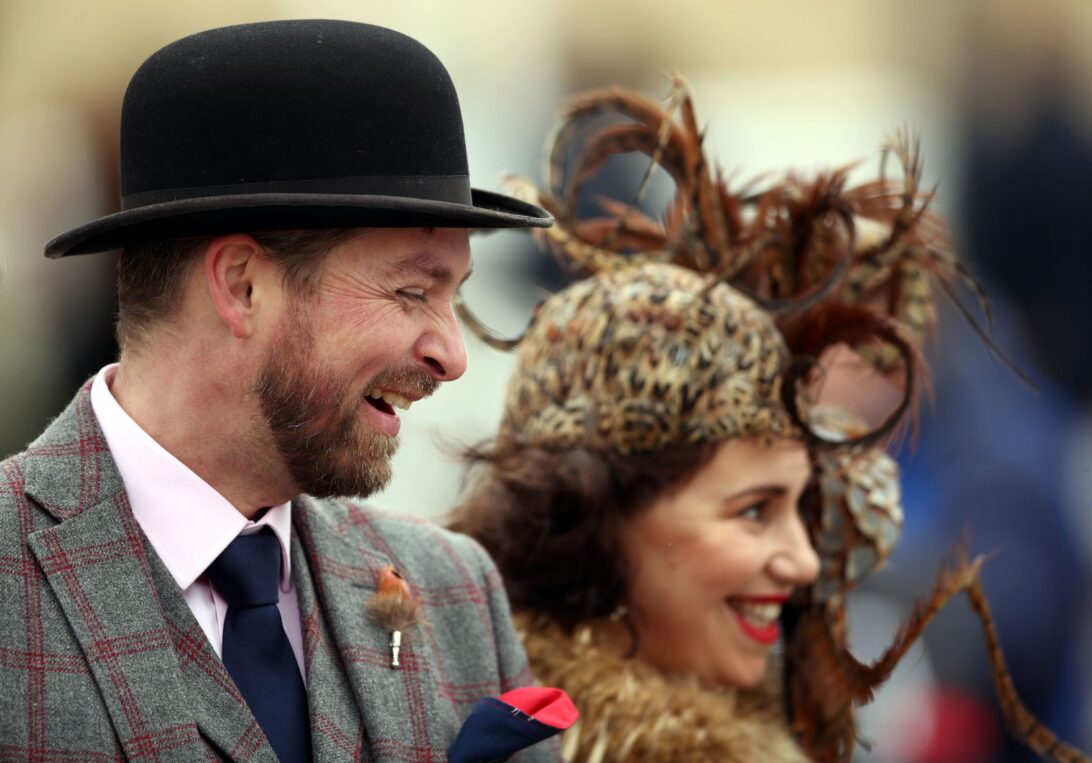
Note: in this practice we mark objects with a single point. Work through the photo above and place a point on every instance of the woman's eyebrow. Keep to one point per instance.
(763, 490)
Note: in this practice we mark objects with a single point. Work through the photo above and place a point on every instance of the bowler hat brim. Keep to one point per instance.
(214, 215)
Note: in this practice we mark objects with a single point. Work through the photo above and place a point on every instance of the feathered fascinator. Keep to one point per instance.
(709, 323)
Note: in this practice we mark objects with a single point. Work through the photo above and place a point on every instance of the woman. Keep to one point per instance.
(664, 499)
(611, 524)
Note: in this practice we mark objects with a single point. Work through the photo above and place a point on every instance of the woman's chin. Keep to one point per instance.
(744, 673)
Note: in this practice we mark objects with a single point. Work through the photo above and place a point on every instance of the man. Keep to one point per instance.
(178, 582)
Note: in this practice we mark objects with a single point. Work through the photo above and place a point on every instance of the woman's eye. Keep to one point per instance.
(415, 293)
(754, 512)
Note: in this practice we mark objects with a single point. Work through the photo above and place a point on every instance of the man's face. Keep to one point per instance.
(379, 334)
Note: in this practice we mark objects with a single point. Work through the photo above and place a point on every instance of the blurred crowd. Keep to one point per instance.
(1001, 91)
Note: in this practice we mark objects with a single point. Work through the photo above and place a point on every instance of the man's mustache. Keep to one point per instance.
(404, 379)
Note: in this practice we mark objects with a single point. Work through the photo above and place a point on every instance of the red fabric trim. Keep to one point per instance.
(545, 704)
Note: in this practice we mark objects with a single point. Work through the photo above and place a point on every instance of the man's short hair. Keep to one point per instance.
(150, 274)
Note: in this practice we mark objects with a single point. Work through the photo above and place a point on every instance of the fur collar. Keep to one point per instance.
(632, 712)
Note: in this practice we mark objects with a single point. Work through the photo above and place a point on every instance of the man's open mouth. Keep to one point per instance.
(387, 401)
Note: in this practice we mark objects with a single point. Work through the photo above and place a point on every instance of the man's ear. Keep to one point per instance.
(232, 264)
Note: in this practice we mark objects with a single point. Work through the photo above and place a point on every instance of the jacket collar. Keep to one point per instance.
(68, 469)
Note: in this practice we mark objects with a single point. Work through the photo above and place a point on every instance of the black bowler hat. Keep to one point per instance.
(292, 124)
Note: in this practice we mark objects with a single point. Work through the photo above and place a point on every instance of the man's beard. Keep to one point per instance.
(315, 419)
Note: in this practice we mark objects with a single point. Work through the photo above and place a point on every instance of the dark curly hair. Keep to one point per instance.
(552, 519)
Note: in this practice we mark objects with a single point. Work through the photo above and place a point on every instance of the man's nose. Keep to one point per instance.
(442, 350)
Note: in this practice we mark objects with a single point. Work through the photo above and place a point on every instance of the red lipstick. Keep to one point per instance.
(765, 635)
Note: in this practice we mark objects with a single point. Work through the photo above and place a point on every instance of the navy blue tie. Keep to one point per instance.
(256, 650)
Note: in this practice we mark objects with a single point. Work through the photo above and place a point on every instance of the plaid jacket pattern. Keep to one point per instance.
(101, 659)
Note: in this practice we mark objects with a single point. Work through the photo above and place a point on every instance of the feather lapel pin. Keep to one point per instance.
(394, 609)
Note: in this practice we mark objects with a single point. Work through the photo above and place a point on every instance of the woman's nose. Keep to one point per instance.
(795, 561)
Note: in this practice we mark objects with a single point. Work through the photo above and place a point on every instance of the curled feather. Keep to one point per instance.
(394, 607)
(478, 329)
(810, 333)
(827, 683)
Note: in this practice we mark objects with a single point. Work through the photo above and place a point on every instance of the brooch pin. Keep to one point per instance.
(395, 609)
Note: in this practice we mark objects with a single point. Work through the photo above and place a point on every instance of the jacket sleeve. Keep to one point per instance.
(512, 665)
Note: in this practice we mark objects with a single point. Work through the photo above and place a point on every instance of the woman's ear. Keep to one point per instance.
(231, 265)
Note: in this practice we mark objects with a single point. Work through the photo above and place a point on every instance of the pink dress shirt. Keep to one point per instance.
(187, 522)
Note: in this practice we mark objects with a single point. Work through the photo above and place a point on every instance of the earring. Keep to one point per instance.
(621, 614)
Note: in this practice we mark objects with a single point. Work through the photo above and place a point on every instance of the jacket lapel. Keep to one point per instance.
(161, 683)
(218, 709)
(401, 713)
(337, 727)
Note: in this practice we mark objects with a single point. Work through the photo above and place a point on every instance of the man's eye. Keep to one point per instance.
(415, 293)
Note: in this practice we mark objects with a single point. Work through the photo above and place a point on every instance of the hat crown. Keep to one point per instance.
(645, 358)
(282, 125)
(289, 101)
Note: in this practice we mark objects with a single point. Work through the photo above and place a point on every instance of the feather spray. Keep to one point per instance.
(394, 608)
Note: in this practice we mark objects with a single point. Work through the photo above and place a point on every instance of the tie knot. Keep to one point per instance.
(247, 572)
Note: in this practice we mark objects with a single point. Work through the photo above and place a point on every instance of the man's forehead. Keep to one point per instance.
(441, 254)
(436, 266)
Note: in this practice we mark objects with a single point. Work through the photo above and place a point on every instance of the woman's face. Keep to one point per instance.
(714, 559)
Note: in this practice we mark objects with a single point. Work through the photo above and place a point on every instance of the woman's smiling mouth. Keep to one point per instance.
(758, 616)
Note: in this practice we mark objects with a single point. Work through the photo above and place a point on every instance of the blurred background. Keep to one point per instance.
(1001, 91)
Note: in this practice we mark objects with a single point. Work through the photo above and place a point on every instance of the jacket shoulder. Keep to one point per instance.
(424, 551)
(11, 475)
(19, 514)
(12, 497)
(59, 685)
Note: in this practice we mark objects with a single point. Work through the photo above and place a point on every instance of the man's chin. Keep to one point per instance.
(338, 486)
(360, 477)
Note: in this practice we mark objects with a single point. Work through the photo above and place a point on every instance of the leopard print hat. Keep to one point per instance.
(645, 358)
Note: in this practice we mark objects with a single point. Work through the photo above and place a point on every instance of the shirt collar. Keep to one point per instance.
(187, 522)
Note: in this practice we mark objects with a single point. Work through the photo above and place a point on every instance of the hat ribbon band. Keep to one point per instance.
(454, 189)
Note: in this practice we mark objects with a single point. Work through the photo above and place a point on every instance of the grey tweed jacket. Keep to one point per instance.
(102, 660)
